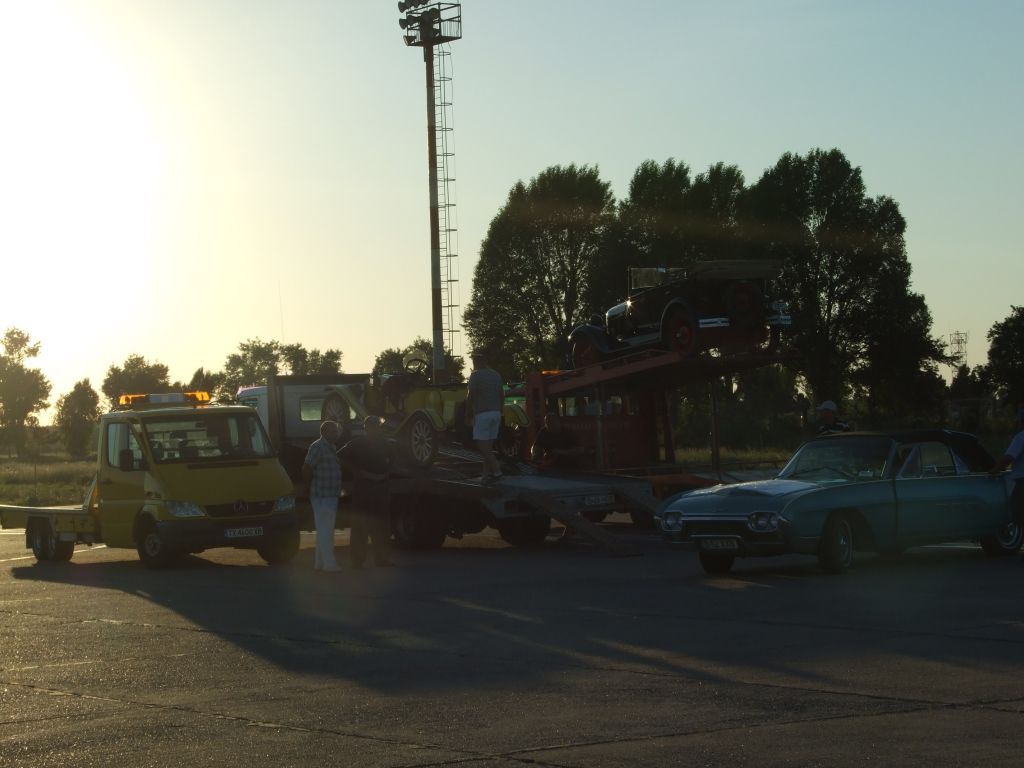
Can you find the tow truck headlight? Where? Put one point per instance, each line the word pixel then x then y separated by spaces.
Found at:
pixel 763 522
pixel 184 509
pixel 672 521
pixel 284 504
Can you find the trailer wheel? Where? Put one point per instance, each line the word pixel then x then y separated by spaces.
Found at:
pixel 279 547
pixel 153 550
pixel 46 546
pixel 525 531
pixel 642 518
pixel 416 531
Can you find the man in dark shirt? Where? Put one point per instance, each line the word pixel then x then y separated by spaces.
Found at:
pixel 368 458
pixel 556 448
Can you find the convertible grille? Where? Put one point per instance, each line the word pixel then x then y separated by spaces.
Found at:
pixel 728 528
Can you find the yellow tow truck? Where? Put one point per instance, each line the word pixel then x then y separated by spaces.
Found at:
pixel 175 474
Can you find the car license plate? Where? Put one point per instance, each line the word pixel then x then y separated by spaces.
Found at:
pixel 598 499
pixel 243 533
pixel 719 544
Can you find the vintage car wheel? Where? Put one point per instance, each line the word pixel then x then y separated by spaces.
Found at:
pixel 1006 542
pixel 420 440
pixel 717 562
pixel 524 531
pixel 680 332
pixel 511 443
pixel 835 552
pixel 584 353
pixel 335 409
pixel 280 547
pixel 745 306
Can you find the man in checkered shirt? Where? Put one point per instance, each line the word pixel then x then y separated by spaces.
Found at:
pixel 323 473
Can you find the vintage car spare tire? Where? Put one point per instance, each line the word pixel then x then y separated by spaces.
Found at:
pixel 745 305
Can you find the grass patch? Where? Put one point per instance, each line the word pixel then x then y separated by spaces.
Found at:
pixel 44 481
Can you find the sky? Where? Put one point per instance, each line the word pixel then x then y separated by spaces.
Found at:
pixel 179 177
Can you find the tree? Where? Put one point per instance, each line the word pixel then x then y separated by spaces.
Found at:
pixel 302 362
pixel 137 376
pixel 77 412
pixel 257 360
pixel 531 283
pixel 1005 369
pixel 253 363
pixel 847 277
pixel 23 390
pixel 393 360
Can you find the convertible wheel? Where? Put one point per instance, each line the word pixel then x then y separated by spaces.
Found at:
pixel 680 332
pixel 717 562
pixel 584 353
pixel 835 552
pixel 1006 542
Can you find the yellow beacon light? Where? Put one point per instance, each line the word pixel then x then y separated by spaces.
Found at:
pixel 165 398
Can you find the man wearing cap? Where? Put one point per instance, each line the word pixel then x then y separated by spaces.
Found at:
pixel 830 423
pixel 1014 459
pixel 368 458
pixel 485 400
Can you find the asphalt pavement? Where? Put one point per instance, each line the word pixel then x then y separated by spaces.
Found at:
pixel 484 655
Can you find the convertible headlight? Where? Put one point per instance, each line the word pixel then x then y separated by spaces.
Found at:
pixel 672 521
pixel 763 522
pixel 184 509
pixel 284 504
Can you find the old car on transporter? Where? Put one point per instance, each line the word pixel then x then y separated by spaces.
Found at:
pixel 881 492
pixel 723 305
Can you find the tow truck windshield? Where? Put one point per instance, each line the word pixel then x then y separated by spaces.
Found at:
pixel 206 437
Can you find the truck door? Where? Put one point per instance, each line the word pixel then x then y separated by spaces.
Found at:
pixel 120 484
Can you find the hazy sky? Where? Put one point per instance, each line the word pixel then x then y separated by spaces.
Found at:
pixel 178 176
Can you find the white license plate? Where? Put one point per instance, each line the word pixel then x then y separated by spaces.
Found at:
pixel 719 544
pixel 598 500
pixel 243 533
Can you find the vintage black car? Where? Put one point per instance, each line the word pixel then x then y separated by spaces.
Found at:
pixel 721 305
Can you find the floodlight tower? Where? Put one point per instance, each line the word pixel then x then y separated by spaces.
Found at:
pixel 428 24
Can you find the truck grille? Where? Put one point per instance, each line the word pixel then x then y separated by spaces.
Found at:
pixel 240 509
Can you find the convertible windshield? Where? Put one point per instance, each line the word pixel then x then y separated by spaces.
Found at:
pixel 840 460
pixel 206 437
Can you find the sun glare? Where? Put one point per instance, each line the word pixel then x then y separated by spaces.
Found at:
pixel 81 166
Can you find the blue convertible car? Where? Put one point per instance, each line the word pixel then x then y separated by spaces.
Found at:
pixel 881 492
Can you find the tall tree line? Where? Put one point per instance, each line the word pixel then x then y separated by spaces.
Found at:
pixel 558 251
